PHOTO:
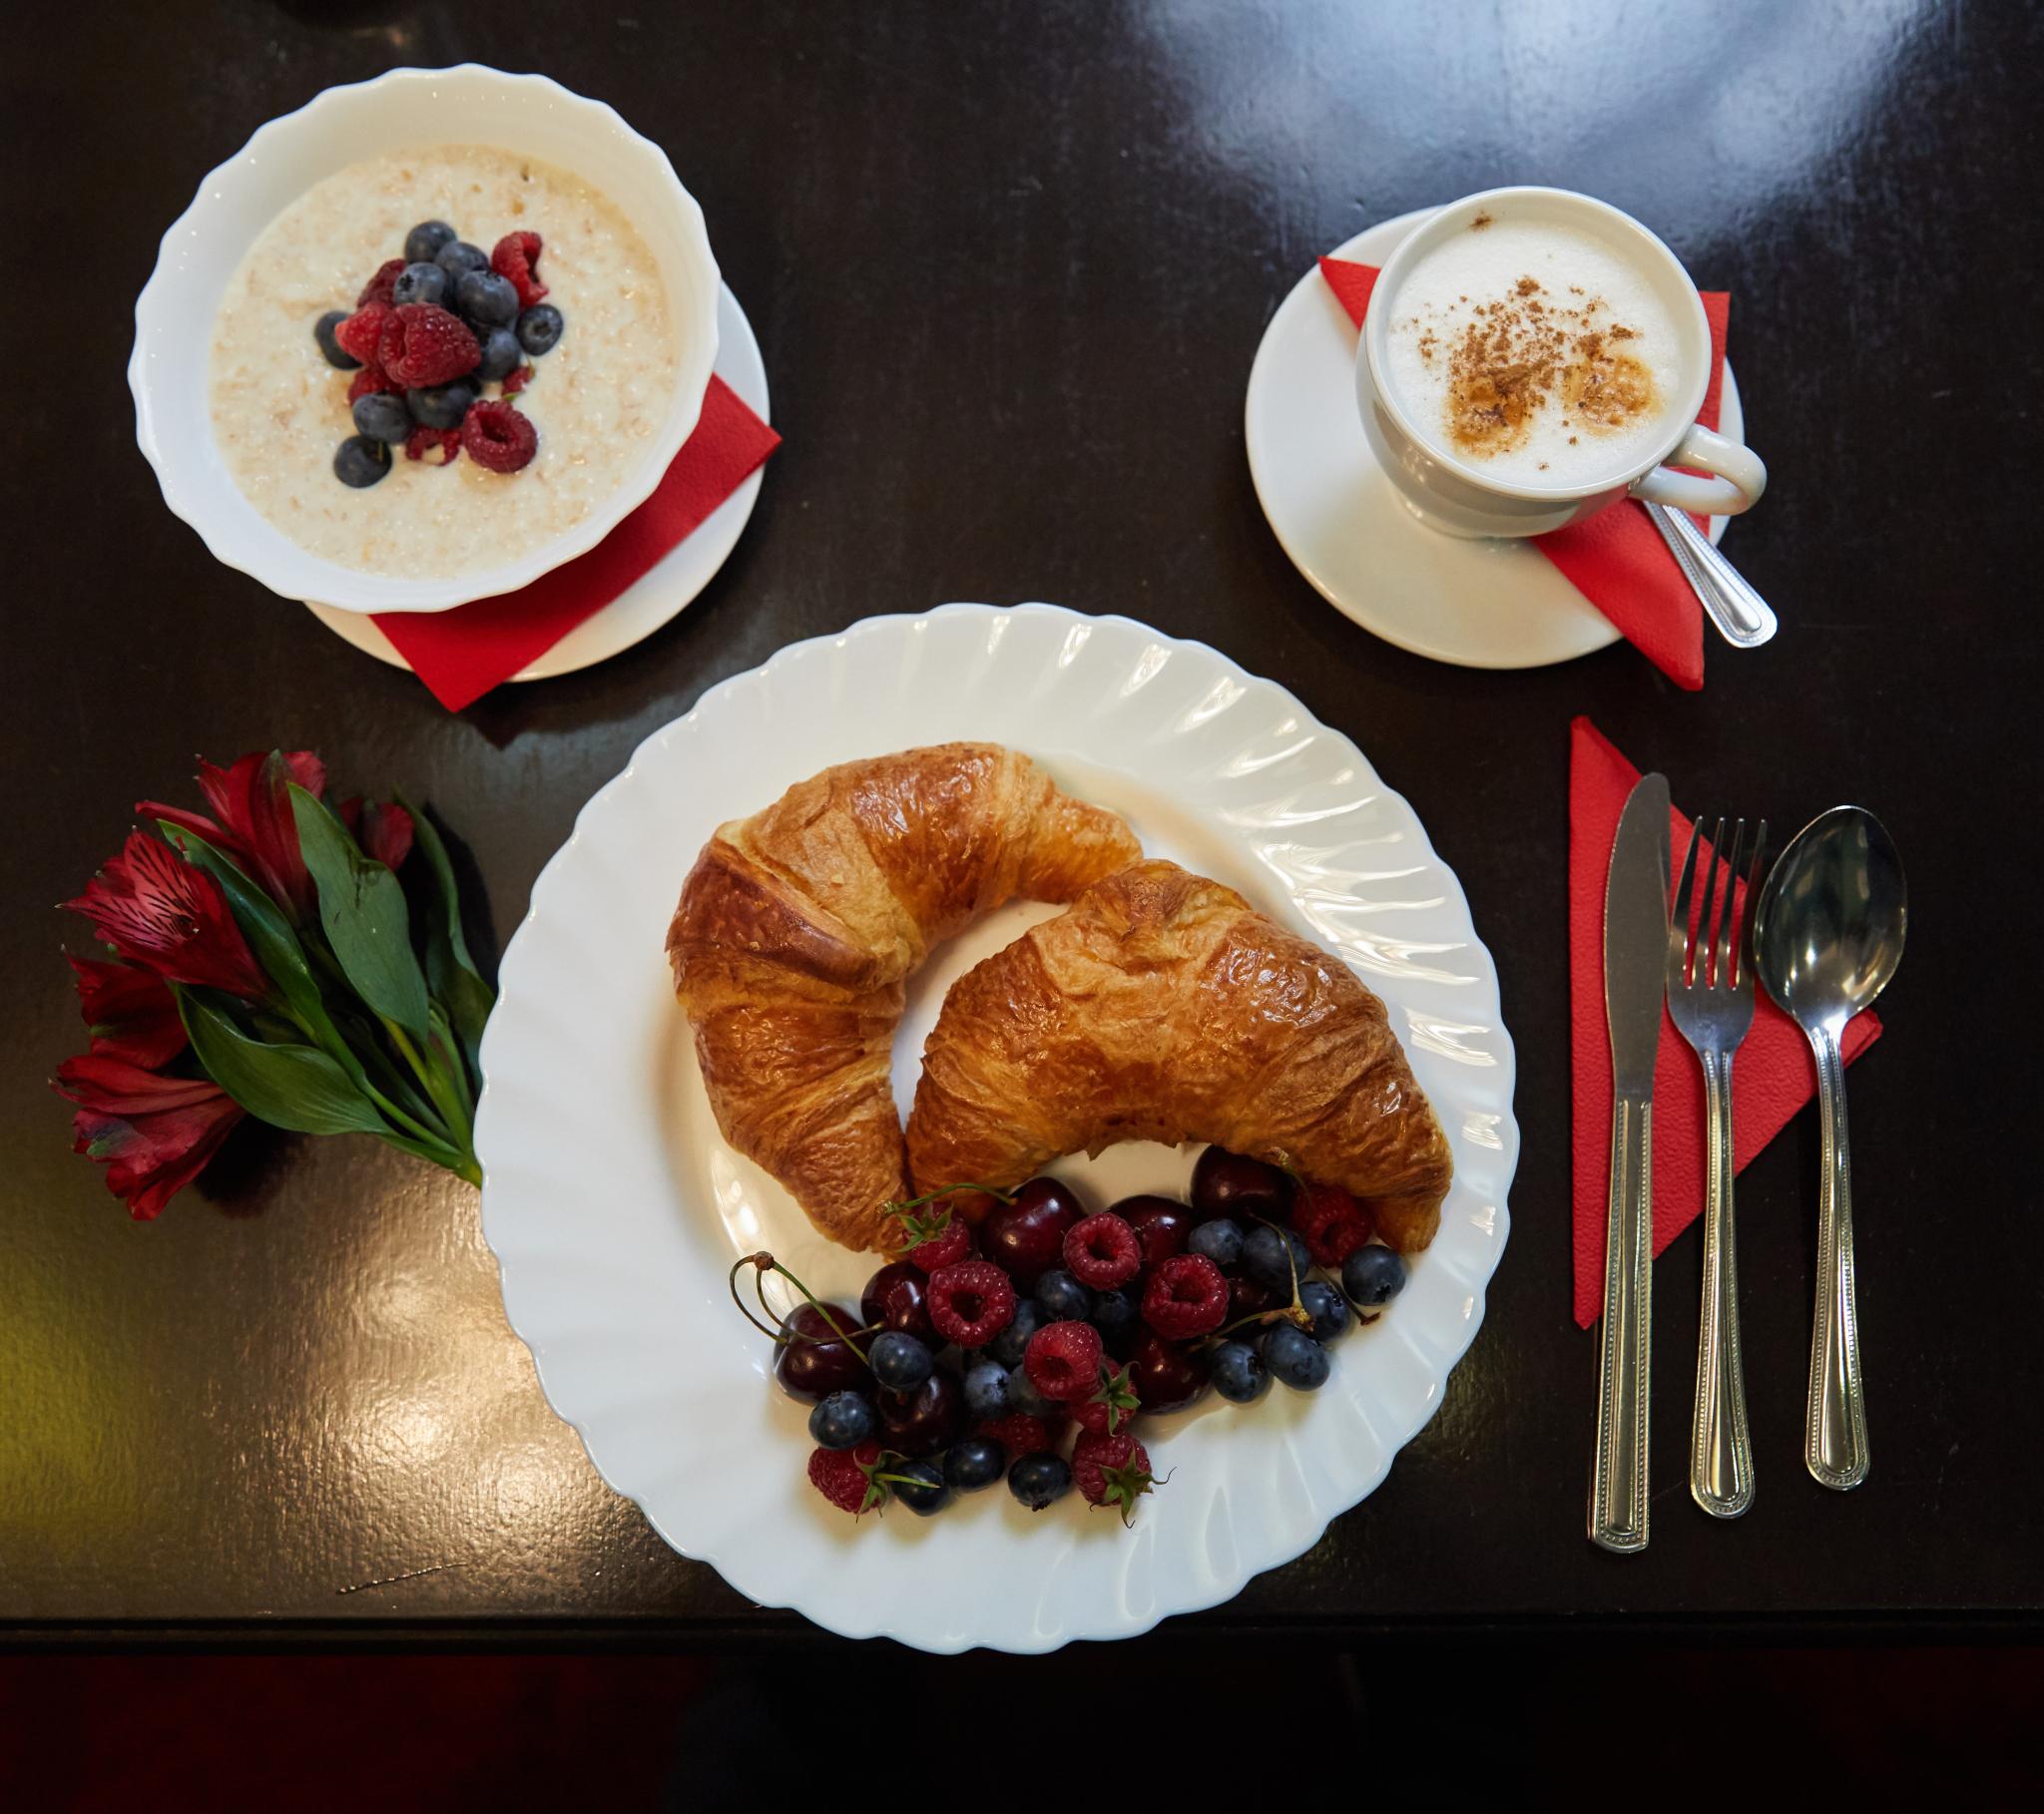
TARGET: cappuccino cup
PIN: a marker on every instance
(1532, 356)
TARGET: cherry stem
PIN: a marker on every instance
(907, 1204)
(763, 1263)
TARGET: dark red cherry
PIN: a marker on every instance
(1166, 1376)
(1245, 1296)
(1226, 1184)
(809, 1370)
(897, 1297)
(925, 1420)
(1161, 1224)
(1026, 1237)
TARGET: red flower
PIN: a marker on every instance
(158, 911)
(130, 1013)
(253, 819)
(154, 1133)
(385, 833)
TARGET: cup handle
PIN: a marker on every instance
(1742, 476)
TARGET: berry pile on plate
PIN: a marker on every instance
(1029, 1348)
(428, 333)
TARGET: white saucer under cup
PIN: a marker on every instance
(659, 593)
(1478, 604)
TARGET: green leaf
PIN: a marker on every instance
(263, 924)
(450, 970)
(361, 908)
(291, 1087)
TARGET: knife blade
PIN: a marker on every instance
(1635, 972)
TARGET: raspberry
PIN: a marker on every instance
(1186, 1296)
(1110, 1408)
(369, 379)
(421, 441)
(362, 332)
(1102, 1251)
(380, 287)
(971, 1302)
(498, 437)
(937, 1239)
(846, 1477)
(1112, 1471)
(1331, 1223)
(1062, 1360)
(1021, 1434)
(514, 257)
(1340, 1239)
(516, 380)
(421, 346)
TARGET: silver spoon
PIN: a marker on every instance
(1828, 934)
(1740, 614)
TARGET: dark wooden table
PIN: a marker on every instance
(1009, 265)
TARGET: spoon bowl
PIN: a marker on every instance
(1828, 936)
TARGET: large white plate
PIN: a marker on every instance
(1479, 604)
(615, 1208)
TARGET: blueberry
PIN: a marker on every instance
(1295, 1358)
(899, 1362)
(426, 241)
(974, 1462)
(420, 284)
(1240, 1375)
(1039, 1481)
(457, 258)
(843, 1420)
(502, 355)
(381, 416)
(920, 1485)
(986, 1389)
(1372, 1276)
(1327, 1306)
(1008, 1346)
(1023, 1395)
(1220, 1241)
(1263, 1257)
(1063, 1298)
(443, 406)
(359, 460)
(338, 357)
(486, 298)
(1113, 1315)
(539, 328)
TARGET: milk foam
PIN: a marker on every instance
(1584, 288)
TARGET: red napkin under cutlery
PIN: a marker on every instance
(1616, 560)
(463, 653)
(1772, 1074)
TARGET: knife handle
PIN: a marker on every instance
(1617, 1476)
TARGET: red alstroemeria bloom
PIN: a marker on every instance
(385, 833)
(130, 1013)
(253, 819)
(158, 911)
(154, 1133)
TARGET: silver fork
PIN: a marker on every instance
(1709, 999)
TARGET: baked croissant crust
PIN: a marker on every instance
(798, 928)
(1161, 1006)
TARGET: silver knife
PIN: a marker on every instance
(1635, 971)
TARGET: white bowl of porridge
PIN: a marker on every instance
(242, 413)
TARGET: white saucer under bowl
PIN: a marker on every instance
(1478, 604)
(661, 593)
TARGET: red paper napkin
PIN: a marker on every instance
(1772, 1076)
(462, 654)
(1617, 559)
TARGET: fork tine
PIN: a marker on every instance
(1753, 895)
(1678, 920)
(1705, 920)
(1729, 926)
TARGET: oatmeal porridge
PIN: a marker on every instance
(280, 409)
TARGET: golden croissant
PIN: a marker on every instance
(1161, 1006)
(798, 928)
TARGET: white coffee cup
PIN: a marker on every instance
(1458, 496)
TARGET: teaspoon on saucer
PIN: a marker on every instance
(1737, 612)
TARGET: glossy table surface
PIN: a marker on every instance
(1009, 265)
